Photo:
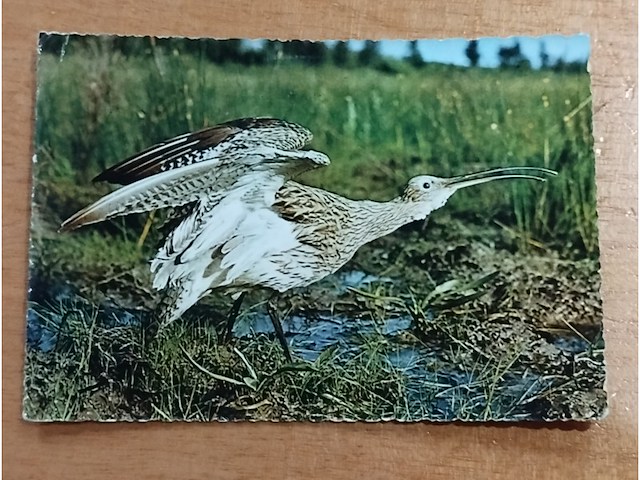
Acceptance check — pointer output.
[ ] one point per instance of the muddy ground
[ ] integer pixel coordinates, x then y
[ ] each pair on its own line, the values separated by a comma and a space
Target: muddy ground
443, 321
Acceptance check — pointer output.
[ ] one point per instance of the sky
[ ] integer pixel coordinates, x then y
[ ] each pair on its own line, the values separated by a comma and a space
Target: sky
452, 51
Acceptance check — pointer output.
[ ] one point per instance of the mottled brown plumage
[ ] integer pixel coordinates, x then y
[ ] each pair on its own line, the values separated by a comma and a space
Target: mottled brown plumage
335, 226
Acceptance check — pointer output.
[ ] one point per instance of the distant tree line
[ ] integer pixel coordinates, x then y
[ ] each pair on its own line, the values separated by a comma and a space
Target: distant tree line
306, 52
511, 57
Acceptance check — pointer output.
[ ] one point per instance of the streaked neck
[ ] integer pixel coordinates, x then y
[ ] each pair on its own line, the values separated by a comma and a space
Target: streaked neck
378, 219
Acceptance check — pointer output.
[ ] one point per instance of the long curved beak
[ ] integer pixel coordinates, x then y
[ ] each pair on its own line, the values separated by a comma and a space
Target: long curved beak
528, 173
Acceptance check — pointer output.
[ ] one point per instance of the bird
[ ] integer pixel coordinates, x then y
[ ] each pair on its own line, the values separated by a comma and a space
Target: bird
239, 220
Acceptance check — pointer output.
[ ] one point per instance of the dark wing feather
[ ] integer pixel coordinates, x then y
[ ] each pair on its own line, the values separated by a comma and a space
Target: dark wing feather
190, 148
255, 155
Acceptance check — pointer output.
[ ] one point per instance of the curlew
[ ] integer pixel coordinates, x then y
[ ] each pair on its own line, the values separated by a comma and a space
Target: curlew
241, 222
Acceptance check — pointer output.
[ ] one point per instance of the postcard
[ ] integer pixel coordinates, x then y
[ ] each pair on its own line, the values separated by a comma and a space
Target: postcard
247, 229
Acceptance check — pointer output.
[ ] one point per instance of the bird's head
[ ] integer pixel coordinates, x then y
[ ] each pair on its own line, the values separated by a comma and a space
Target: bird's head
430, 193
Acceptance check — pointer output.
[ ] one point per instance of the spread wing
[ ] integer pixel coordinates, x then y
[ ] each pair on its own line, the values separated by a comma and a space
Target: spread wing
210, 163
231, 137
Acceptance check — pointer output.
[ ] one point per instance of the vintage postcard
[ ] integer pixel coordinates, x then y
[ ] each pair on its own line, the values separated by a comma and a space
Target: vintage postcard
231, 230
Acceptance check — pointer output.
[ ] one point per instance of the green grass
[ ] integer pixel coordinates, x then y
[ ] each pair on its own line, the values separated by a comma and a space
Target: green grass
97, 107
470, 360
186, 373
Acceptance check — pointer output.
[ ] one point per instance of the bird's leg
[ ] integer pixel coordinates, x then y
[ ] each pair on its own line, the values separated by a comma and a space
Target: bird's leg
164, 312
233, 314
273, 314
151, 326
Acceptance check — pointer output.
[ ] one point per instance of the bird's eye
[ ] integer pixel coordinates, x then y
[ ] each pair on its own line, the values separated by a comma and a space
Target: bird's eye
426, 185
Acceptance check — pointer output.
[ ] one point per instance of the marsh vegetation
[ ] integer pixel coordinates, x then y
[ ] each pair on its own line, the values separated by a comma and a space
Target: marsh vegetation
490, 310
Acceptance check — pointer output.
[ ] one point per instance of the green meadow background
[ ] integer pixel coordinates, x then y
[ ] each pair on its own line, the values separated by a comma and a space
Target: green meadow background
379, 126
381, 121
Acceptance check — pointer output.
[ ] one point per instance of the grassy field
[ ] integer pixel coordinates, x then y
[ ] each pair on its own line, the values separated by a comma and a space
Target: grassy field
497, 299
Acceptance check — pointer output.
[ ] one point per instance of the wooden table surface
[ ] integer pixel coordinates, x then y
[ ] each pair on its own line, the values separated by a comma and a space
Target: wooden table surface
117, 451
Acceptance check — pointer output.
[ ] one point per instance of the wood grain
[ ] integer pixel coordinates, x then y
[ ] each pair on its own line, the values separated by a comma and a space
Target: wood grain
605, 449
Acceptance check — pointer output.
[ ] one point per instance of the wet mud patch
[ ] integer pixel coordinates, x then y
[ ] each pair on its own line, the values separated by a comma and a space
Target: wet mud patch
411, 329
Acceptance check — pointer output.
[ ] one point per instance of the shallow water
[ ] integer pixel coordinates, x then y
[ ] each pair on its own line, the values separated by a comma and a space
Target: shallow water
571, 344
308, 337
435, 387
